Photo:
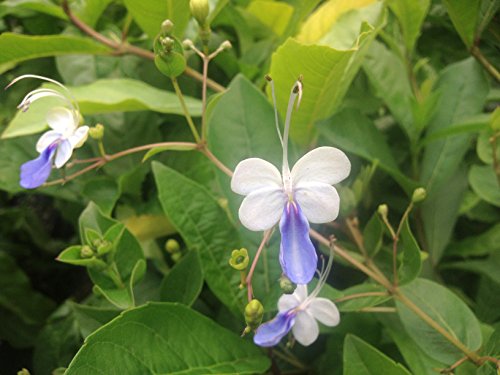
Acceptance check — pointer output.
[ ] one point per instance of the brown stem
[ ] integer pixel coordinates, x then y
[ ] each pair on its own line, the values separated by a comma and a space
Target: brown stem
476, 52
122, 48
361, 295
265, 238
381, 309
204, 150
204, 98
450, 369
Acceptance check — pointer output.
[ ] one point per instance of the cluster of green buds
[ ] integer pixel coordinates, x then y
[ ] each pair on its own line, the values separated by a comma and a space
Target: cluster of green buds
169, 54
174, 249
254, 311
239, 261
97, 132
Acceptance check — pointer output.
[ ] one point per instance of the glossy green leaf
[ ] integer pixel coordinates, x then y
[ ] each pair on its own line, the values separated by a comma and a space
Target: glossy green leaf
485, 184
485, 243
349, 126
360, 358
184, 282
464, 15
17, 48
102, 96
447, 310
90, 318
411, 15
488, 267
149, 15
411, 260
39, 6
186, 342
160, 149
372, 235
205, 228
104, 192
275, 15
327, 75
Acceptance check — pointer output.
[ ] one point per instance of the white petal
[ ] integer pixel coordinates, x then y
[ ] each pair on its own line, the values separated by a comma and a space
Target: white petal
262, 209
61, 119
305, 329
78, 138
324, 311
254, 173
288, 302
323, 164
319, 201
63, 153
301, 292
47, 139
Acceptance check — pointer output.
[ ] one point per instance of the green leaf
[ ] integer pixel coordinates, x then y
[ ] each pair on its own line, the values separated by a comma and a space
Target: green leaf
102, 191
102, 96
372, 235
411, 15
90, 318
40, 6
22, 310
160, 149
484, 182
464, 15
488, 267
349, 126
205, 228
275, 15
71, 255
447, 310
470, 125
484, 148
184, 282
486, 243
17, 48
360, 358
357, 304
149, 15
327, 74
184, 342
463, 89
411, 261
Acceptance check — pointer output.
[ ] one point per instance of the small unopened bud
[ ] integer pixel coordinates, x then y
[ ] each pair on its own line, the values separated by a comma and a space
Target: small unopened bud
200, 10
97, 132
286, 285
254, 312
167, 43
383, 210
239, 259
172, 246
176, 257
226, 45
104, 248
23, 372
166, 27
86, 252
418, 195
187, 43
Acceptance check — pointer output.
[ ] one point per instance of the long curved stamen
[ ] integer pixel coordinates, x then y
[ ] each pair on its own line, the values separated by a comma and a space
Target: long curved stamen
271, 82
323, 277
41, 93
296, 91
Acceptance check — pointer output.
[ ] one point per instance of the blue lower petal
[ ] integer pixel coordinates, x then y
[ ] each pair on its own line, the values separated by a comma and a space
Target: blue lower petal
35, 172
297, 253
270, 333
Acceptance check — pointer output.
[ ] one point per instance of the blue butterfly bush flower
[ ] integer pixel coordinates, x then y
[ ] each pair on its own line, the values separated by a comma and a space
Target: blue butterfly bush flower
294, 198
299, 312
54, 146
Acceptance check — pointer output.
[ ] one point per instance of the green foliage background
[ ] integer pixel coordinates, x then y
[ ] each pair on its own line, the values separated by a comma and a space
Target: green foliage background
407, 88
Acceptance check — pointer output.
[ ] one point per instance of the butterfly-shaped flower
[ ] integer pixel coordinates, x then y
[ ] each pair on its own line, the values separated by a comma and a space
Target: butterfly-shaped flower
294, 198
55, 146
299, 312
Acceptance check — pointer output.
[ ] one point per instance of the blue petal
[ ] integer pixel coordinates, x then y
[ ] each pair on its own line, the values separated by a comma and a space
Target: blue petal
35, 172
297, 253
270, 333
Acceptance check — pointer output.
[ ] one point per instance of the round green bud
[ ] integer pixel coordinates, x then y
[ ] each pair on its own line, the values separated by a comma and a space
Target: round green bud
23, 372
239, 259
172, 246
176, 257
167, 27
200, 10
254, 312
418, 195
167, 43
97, 132
383, 210
104, 248
286, 285
86, 252
226, 45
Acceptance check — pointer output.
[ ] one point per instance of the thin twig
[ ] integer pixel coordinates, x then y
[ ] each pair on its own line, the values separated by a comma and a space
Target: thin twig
476, 52
362, 295
263, 243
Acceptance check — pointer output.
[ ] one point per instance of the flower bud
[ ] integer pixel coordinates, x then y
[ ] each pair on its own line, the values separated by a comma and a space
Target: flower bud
23, 372
86, 252
239, 259
254, 312
172, 246
199, 10
383, 210
187, 43
176, 257
286, 285
104, 247
167, 43
97, 132
418, 195
226, 45
167, 27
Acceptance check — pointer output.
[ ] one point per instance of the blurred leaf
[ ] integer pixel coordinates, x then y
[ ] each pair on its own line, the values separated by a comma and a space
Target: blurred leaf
488, 267
104, 192
411, 15
327, 76
492, 349
349, 126
484, 148
184, 282
22, 310
159, 149
90, 318
487, 11
186, 342
149, 227
487, 242
104, 95
488, 300
41, 6
411, 260
447, 310
89, 11
205, 228
473, 124
464, 15
372, 235
485, 184
357, 304
13, 153
149, 15
17, 48
275, 15
360, 358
